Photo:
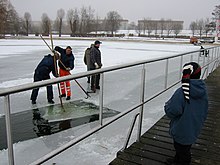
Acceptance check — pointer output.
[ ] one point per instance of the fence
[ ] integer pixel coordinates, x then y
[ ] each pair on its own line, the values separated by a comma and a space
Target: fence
209, 63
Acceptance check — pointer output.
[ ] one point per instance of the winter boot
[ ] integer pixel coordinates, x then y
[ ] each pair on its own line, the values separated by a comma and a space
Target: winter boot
51, 101
68, 98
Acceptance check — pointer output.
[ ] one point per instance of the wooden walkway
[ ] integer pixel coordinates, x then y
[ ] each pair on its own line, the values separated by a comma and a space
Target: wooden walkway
156, 145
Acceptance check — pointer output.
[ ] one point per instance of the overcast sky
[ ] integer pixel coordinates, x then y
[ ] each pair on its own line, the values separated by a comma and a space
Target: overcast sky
186, 10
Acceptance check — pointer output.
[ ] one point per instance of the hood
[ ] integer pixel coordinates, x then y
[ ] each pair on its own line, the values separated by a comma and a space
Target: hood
197, 88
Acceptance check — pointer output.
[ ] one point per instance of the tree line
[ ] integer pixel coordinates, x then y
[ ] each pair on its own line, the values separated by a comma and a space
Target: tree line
80, 22
204, 26
160, 27
77, 21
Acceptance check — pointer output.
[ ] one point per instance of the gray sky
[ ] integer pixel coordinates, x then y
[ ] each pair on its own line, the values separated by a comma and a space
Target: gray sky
186, 10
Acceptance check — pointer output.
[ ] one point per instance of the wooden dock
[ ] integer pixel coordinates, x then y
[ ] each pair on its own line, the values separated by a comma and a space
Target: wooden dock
156, 145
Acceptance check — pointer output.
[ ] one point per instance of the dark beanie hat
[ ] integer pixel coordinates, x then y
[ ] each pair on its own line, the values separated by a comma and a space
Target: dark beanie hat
68, 47
97, 42
191, 70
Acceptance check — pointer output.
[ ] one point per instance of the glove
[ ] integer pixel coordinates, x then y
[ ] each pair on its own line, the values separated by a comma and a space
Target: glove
56, 54
54, 51
68, 69
96, 66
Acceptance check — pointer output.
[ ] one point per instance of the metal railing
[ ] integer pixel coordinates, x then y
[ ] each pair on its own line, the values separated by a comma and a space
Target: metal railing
7, 92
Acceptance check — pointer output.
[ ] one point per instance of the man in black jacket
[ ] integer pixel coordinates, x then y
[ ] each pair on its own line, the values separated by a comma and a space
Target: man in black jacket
66, 64
42, 72
95, 63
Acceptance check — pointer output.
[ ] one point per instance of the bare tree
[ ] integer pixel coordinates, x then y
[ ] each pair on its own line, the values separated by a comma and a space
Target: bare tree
155, 25
216, 18
149, 26
73, 20
162, 26
139, 28
97, 25
27, 22
18, 24
200, 27
177, 28
207, 26
113, 21
90, 20
11, 19
169, 26
193, 27
83, 20
3, 17
60, 16
46, 24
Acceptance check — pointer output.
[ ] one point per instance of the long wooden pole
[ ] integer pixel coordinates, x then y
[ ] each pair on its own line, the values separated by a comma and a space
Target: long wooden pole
56, 70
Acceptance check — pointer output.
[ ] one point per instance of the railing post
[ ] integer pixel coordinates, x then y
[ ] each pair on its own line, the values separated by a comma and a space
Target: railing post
181, 66
143, 75
101, 98
203, 60
207, 72
8, 130
166, 74
130, 132
218, 55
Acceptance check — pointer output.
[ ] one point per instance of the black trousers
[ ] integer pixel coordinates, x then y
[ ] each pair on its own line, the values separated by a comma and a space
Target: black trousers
95, 80
183, 154
34, 94
88, 69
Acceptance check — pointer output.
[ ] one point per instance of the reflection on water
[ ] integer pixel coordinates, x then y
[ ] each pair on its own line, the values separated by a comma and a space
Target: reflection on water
51, 119
41, 125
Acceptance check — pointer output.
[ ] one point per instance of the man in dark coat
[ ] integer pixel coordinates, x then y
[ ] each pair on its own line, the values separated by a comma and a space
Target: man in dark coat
87, 59
66, 64
95, 63
42, 72
187, 109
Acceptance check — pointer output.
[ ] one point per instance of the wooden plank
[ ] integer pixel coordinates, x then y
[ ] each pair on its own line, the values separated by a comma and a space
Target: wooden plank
137, 159
121, 162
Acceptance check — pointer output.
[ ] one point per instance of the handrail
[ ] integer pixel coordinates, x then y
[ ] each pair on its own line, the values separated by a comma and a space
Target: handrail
29, 86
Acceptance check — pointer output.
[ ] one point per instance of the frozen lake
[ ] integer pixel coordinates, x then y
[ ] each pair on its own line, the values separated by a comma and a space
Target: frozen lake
121, 90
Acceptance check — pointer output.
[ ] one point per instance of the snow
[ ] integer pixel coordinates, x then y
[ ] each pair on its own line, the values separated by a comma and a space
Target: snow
121, 92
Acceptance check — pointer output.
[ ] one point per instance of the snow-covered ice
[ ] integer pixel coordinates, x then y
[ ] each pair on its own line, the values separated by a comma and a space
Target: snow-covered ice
121, 91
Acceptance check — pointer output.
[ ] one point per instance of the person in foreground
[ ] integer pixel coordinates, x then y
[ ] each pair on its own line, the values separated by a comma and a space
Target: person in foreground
187, 110
42, 72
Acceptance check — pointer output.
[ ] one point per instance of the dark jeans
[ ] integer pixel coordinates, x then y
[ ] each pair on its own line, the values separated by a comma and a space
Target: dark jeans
34, 94
88, 69
183, 154
95, 80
